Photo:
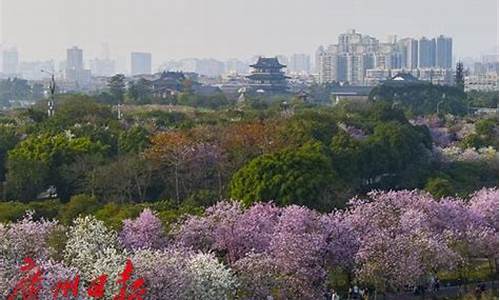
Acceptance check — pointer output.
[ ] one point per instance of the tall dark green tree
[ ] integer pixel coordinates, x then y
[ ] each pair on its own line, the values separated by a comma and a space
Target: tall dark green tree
459, 76
8, 140
301, 176
116, 87
141, 91
35, 164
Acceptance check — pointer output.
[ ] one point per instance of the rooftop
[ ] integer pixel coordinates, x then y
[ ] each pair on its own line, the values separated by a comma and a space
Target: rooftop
268, 62
404, 76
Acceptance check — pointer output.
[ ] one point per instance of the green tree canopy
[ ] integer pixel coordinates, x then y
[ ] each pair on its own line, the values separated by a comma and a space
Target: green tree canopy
422, 99
116, 87
8, 140
302, 176
35, 163
141, 91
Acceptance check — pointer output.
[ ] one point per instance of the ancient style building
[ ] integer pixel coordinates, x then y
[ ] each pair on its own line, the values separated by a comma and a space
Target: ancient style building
267, 75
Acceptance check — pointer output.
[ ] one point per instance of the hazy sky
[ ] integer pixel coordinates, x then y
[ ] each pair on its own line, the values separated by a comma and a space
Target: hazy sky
173, 29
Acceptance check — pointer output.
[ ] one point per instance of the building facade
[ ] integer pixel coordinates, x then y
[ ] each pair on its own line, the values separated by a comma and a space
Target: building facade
483, 82
444, 46
10, 62
268, 75
355, 53
408, 48
426, 52
74, 59
75, 70
140, 63
299, 64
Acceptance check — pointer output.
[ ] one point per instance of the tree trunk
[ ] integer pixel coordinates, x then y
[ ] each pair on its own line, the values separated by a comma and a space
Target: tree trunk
177, 183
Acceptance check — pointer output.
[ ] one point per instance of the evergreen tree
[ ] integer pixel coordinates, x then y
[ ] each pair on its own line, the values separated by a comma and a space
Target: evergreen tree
116, 87
459, 76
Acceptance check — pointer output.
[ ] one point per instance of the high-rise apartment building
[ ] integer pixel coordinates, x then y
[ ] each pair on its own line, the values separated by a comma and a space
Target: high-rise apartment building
317, 58
300, 64
74, 59
140, 63
355, 53
444, 51
75, 70
408, 48
426, 52
350, 58
327, 63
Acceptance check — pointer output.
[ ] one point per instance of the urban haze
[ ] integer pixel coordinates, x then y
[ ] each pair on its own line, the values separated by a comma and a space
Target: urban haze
223, 29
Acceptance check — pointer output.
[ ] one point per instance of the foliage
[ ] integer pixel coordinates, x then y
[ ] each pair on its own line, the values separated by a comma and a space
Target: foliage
468, 176
186, 158
79, 205
140, 92
422, 99
192, 155
211, 279
38, 159
484, 206
145, 232
397, 243
303, 176
165, 272
17, 89
439, 187
25, 238
90, 245
113, 214
134, 140
76, 109
8, 140
486, 135
210, 101
460, 76
387, 242
116, 87
123, 180
483, 99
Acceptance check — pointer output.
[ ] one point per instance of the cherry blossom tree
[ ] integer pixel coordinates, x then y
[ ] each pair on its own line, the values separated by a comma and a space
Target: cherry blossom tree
144, 232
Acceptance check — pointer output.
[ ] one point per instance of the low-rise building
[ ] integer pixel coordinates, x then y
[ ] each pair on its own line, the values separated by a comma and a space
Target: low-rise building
484, 82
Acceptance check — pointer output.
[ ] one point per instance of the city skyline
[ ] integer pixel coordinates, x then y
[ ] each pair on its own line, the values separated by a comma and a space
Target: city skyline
232, 29
107, 62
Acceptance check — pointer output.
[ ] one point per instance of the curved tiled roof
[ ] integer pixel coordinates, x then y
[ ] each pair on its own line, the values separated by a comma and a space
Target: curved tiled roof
268, 62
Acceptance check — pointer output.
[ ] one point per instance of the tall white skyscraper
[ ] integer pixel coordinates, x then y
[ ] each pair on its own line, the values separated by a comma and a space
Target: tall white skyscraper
317, 58
327, 61
140, 63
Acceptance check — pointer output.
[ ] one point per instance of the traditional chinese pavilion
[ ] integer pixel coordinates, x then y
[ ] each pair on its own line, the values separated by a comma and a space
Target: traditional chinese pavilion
267, 75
